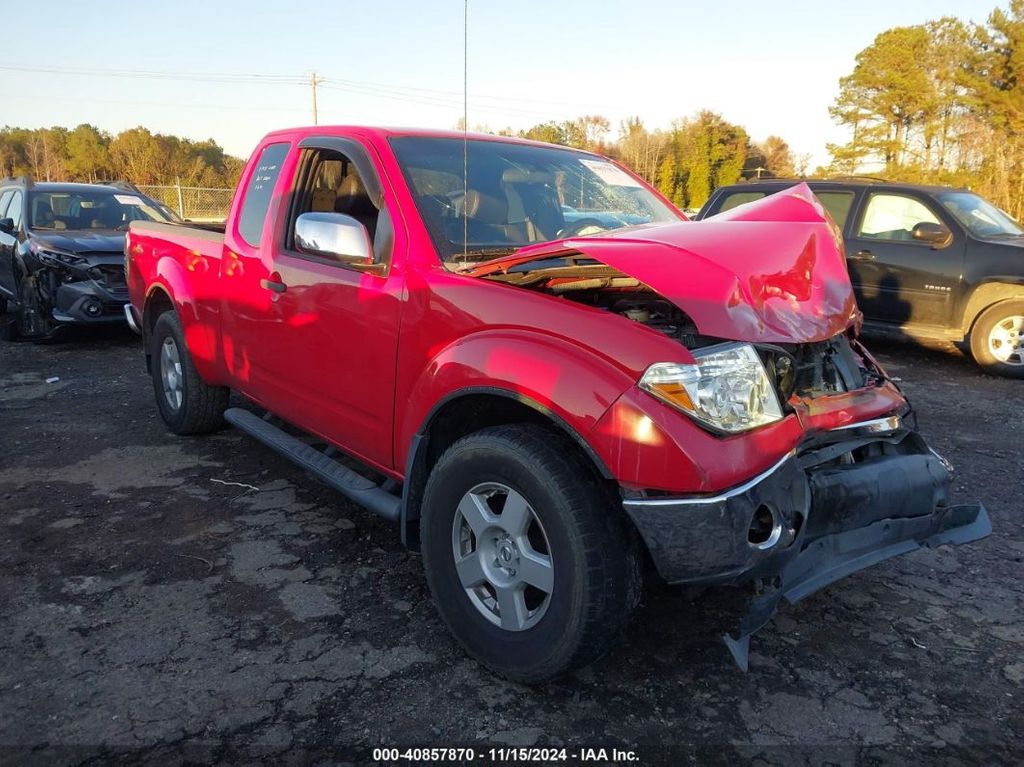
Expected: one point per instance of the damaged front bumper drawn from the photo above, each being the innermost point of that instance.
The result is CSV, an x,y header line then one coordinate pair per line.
x,y
88,302
848,499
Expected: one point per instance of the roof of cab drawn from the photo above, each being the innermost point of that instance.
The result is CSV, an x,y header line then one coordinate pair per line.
x,y
382,132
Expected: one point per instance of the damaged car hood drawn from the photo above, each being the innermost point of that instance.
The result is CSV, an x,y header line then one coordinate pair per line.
x,y
772,270
81,240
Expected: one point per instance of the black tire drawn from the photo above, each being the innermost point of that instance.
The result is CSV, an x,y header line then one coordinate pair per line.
x,y
982,348
594,551
201,407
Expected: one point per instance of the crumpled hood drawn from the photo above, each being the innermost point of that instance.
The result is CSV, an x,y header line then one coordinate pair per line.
x,y
81,240
772,270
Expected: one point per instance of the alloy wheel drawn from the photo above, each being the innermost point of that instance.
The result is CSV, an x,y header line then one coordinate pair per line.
x,y
170,373
502,556
1006,340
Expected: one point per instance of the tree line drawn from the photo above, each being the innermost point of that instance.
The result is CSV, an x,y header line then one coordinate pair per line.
x,y
88,154
940,102
686,162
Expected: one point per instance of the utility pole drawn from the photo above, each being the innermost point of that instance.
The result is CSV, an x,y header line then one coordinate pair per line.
x,y
313,82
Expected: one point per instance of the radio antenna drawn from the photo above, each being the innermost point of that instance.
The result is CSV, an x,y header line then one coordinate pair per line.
x,y
465,129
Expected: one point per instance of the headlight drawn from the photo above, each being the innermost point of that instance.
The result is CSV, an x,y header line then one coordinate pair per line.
x,y
727,389
56,257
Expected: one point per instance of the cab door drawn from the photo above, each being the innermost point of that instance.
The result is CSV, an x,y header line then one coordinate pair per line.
x,y
332,344
900,280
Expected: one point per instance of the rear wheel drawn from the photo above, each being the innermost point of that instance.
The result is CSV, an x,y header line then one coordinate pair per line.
x,y
187,404
530,564
997,339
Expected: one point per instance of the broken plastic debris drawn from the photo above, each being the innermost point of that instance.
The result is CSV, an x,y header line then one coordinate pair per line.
x,y
53,379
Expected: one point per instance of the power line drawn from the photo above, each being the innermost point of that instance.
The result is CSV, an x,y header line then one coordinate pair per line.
x,y
502,105
213,77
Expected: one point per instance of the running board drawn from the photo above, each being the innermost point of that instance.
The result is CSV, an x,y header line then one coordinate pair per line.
x,y
347,482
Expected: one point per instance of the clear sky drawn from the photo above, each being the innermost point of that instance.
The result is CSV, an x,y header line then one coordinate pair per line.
x,y
769,65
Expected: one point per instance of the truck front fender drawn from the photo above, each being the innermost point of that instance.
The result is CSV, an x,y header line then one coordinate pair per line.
x,y
555,376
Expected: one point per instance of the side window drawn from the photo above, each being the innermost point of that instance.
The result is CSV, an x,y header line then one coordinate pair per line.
x,y
739,198
14,209
328,182
259,191
838,205
5,198
893,217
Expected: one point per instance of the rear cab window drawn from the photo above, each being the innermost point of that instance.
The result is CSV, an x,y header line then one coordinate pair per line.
x,y
258,192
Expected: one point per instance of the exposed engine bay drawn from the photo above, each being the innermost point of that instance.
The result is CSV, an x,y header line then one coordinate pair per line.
x,y
802,370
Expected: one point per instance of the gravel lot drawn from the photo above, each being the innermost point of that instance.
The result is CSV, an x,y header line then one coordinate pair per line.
x,y
149,604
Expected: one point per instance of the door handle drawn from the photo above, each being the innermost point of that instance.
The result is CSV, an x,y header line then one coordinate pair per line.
x,y
862,255
274,284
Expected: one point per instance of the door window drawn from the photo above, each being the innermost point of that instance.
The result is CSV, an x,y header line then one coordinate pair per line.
x,y
893,217
328,182
4,199
14,209
258,192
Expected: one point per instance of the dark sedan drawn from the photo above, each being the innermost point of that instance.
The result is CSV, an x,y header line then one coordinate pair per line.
x,y
62,252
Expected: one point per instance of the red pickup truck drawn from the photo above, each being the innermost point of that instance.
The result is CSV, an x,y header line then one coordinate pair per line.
x,y
549,378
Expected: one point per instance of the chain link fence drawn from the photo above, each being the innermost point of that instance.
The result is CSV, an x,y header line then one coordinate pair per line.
x,y
197,203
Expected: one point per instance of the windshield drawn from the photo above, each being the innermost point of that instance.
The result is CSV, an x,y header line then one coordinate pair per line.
x,y
518,194
90,209
980,217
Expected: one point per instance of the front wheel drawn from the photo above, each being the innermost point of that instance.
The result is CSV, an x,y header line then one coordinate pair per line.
x,y
997,339
530,564
187,404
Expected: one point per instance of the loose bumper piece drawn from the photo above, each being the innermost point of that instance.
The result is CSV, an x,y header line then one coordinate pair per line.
x,y
840,504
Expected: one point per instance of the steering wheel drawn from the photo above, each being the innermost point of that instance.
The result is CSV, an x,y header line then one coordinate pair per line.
x,y
583,227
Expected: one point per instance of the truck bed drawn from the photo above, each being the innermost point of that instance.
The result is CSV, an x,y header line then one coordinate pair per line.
x,y
207,232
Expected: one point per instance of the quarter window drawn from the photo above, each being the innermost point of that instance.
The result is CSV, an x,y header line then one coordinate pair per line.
x,y
893,217
739,198
837,204
258,192
4,199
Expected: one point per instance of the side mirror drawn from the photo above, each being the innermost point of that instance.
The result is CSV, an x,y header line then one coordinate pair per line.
x,y
936,235
337,236
7,225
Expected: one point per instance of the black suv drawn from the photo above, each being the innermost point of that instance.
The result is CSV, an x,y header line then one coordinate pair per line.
x,y
62,252
925,261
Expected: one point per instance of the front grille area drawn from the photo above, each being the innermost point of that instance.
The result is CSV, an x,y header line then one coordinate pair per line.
x,y
112,276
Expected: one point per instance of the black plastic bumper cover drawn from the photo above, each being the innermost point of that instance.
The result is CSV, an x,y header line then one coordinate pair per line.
x,y
832,519
74,299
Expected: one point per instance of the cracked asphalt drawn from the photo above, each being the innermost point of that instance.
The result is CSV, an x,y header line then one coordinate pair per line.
x,y
153,604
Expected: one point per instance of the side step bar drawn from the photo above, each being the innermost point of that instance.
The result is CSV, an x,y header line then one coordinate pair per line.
x,y
350,484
